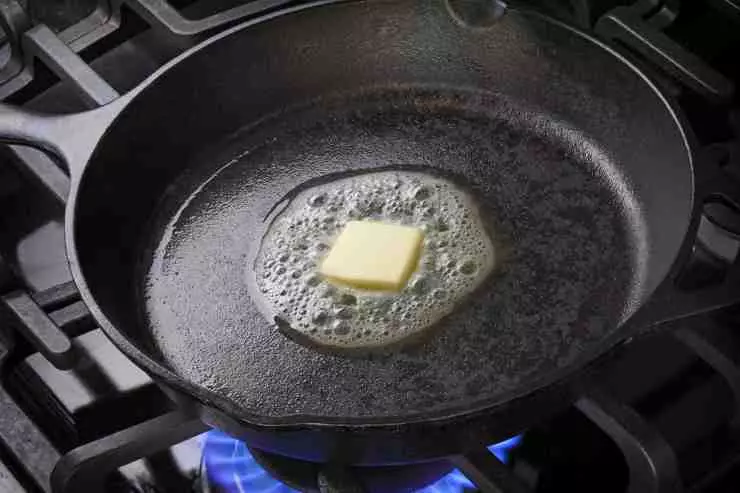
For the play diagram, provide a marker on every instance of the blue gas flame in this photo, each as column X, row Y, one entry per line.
column 234, row 470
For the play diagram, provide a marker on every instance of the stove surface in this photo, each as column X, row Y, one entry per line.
column 662, row 417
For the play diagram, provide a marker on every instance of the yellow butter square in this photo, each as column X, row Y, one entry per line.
column 373, row 255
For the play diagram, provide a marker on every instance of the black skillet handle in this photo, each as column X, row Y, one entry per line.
column 68, row 139
column 669, row 302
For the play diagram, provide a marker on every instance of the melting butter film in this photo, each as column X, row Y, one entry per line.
column 456, row 257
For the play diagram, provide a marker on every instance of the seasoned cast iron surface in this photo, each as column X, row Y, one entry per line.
column 568, row 234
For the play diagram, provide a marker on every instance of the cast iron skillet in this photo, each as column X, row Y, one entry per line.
column 580, row 167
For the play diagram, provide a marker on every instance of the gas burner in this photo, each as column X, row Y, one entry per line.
column 229, row 466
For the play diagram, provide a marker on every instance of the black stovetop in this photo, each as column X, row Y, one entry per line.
column 663, row 417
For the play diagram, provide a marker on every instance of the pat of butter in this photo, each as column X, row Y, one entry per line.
column 373, row 255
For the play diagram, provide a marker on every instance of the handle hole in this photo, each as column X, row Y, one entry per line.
column 717, row 241
column 716, row 246
column 723, row 214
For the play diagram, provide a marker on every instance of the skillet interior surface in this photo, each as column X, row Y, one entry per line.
column 567, row 233
column 577, row 163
